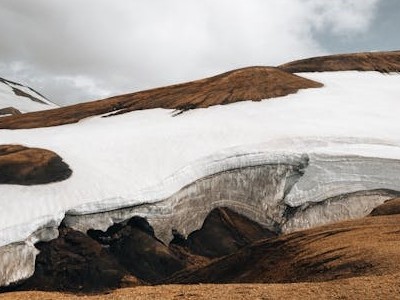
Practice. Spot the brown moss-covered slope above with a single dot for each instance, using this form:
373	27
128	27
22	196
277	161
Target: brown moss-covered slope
254	83
365	247
28	166
384	62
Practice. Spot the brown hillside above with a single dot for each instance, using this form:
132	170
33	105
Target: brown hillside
384	62
365	247
254	83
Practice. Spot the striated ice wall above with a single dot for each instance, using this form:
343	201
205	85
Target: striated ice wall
327	176
17	262
256	192
319	188
339	208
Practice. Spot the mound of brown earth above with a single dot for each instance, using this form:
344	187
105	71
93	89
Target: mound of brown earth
384	62
254	83
362	247
224	232
28	166
391	207
139	251
9	111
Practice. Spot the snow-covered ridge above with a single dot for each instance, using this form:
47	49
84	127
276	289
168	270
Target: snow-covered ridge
21	98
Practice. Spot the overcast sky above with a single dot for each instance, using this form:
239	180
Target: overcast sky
79	50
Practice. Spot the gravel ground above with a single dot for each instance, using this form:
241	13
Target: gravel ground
372	287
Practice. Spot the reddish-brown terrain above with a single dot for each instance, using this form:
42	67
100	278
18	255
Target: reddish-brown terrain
360	288
28	166
384	62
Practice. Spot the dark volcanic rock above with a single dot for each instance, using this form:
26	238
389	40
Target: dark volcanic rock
224	232
74	262
29	166
104	260
390	207
139	251
146	257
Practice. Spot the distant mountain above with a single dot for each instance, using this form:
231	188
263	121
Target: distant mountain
17	99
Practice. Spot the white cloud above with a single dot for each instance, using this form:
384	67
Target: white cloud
84	49
342	16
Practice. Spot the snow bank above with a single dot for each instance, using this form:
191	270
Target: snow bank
147	156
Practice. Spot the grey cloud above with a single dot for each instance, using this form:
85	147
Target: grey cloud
78	50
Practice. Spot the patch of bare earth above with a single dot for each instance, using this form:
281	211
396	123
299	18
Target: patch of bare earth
253	83
363	288
384	62
28	166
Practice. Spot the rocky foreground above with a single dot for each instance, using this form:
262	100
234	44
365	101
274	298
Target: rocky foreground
363	288
349	260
